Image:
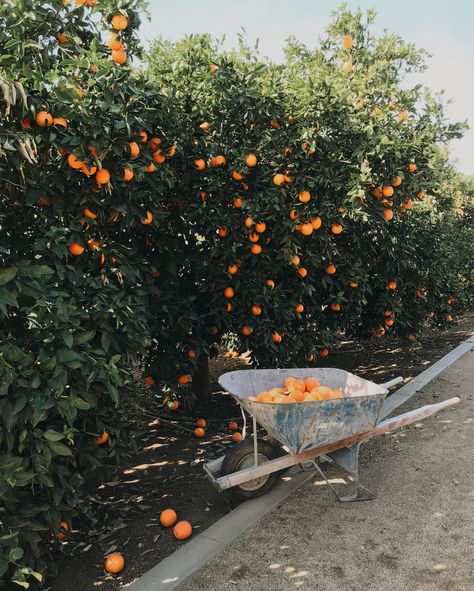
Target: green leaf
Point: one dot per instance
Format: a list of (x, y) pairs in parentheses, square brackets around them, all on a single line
[(15, 554), (79, 403), (59, 448), (52, 435), (7, 274), (84, 337), (34, 270)]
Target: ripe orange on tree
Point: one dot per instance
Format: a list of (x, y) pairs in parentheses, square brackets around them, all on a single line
[(336, 228), (102, 176), (134, 149), (102, 438), (330, 269), (246, 331), (199, 164), (183, 379), (392, 285), (324, 352), (387, 191), (199, 432), (302, 272), (201, 423), (229, 292), (232, 269), (304, 196), (279, 179), (347, 42), (119, 22), (128, 174), (316, 223), (119, 56), (387, 214), (237, 176), (75, 249), (255, 249), (44, 119), (233, 426), (149, 380), (148, 219), (251, 160), (299, 308), (256, 310)]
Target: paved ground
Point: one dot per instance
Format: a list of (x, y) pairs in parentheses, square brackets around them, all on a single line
[(418, 535)]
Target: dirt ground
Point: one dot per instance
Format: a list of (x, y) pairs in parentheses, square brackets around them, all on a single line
[(417, 535), (167, 470)]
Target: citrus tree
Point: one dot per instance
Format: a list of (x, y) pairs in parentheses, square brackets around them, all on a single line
[(84, 164), (306, 196)]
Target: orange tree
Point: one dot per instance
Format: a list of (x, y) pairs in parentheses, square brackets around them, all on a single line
[(84, 164), (306, 195)]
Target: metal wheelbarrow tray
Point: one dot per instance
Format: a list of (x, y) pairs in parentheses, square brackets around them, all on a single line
[(332, 429)]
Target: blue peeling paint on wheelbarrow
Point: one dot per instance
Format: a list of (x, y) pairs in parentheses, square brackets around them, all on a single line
[(302, 426)]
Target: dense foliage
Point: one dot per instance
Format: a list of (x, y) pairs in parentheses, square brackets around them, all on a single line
[(146, 215)]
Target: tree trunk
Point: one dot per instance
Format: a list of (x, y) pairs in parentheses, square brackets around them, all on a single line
[(200, 383)]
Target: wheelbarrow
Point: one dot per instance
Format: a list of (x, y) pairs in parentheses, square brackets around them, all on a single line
[(300, 433)]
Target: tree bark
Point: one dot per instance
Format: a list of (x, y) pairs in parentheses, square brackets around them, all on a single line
[(201, 385)]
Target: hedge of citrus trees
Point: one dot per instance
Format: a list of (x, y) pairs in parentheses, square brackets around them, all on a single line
[(313, 198), (149, 214)]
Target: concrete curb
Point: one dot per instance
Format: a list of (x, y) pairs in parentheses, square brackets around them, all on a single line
[(174, 569), (406, 392)]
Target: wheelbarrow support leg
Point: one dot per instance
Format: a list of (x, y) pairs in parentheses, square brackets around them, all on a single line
[(348, 458)]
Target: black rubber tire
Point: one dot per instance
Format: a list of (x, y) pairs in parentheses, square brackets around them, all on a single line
[(236, 455)]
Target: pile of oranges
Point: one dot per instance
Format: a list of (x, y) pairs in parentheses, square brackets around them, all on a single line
[(296, 390), (182, 530)]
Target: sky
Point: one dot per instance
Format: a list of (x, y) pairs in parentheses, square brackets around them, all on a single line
[(444, 27)]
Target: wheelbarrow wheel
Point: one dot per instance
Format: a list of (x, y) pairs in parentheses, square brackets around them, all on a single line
[(241, 456)]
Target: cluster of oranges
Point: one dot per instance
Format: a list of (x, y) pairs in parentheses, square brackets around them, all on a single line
[(201, 424), (386, 193), (118, 54), (182, 530), (295, 390)]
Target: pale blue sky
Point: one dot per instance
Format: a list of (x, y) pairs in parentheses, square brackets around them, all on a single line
[(444, 27)]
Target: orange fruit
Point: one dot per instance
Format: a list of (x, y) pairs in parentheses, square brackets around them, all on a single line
[(182, 530), (60, 121), (276, 338), (44, 201), (201, 423), (115, 44), (299, 308), (127, 174), (271, 283), (387, 191), (229, 292), (134, 149), (149, 380), (218, 161), (74, 162), (43, 118), (397, 181), (62, 38), (336, 228), (213, 68), (191, 353), (378, 192), (119, 22), (411, 167), (114, 563), (298, 395), (251, 160), (256, 249), (387, 313), (233, 426), (75, 249), (387, 214), (254, 237), (25, 123), (311, 383), (353, 284), (449, 318), (205, 127), (295, 259), (279, 179), (304, 196), (246, 331), (420, 194), (256, 310), (93, 244), (330, 269), (389, 321), (168, 518), (411, 337), (148, 219), (183, 379), (102, 176), (347, 41), (199, 164), (260, 227), (237, 203), (335, 307), (154, 144), (430, 314), (274, 123), (232, 269), (302, 272), (119, 56), (102, 439), (324, 352), (88, 171), (199, 432), (392, 285), (294, 215), (222, 232), (236, 437), (288, 179), (307, 229), (249, 222), (143, 135), (403, 116), (316, 223)]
